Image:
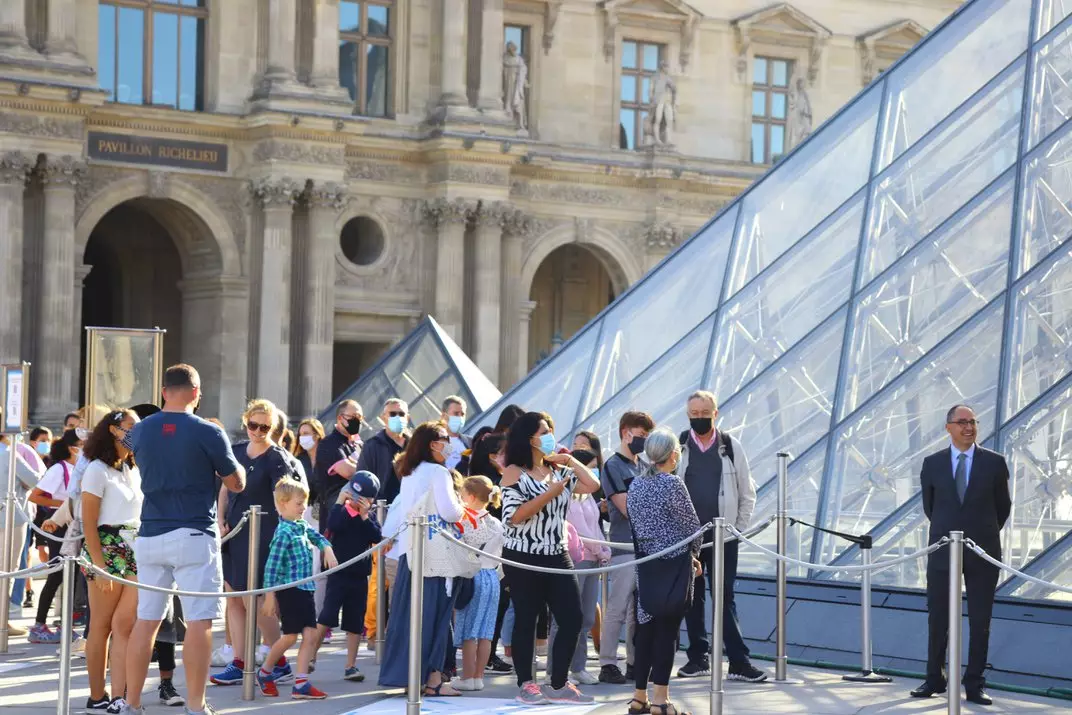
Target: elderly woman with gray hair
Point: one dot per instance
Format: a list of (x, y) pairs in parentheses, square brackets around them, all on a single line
[(661, 514)]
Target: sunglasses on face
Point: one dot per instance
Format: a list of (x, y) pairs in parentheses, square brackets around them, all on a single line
[(399, 413), (256, 427)]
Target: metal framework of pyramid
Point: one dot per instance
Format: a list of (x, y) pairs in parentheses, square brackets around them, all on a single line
[(912, 254), (423, 369)]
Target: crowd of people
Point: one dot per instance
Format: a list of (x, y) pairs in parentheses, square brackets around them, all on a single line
[(147, 494)]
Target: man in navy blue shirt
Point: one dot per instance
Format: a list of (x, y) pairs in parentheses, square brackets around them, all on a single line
[(180, 457)]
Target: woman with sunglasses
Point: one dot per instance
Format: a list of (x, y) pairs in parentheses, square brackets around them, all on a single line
[(265, 463)]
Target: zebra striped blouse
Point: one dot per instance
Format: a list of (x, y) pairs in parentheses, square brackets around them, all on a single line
[(543, 534)]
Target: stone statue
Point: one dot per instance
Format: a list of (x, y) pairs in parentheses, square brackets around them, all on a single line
[(663, 106), (799, 120), (515, 85)]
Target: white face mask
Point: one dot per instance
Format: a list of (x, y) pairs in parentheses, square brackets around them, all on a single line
[(307, 441)]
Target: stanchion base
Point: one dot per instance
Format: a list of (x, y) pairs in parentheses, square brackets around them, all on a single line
[(13, 652), (867, 678), (787, 681)]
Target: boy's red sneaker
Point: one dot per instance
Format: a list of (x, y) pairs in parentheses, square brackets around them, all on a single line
[(267, 684), (307, 692)]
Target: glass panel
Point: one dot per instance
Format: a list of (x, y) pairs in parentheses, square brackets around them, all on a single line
[(348, 67), (131, 61), (106, 50), (376, 80), (775, 311), (516, 35), (378, 23), (371, 393), (427, 407), (1039, 452), (926, 296), (1055, 567), (878, 455), (788, 407), (759, 143), (660, 391), (759, 71), (1051, 93), (629, 55), (165, 56), (651, 57), (423, 366), (674, 306), (1051, 12), (628, 128), (1046, 208), (349, 16), (629, 88), (1041, 333), (909, 533), (790, 202), (778, 106), (928, 186), (759, 103), (932, 82), (805, 476), (777, 142), (190, 64), (645, 90), (781, 73)]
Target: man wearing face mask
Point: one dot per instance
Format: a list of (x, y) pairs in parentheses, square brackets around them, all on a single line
[(336, 457), (618, 473), (453, 417), (378, 456), (715, 470)]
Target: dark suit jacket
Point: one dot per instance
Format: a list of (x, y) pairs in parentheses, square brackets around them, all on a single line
[(985, 509)]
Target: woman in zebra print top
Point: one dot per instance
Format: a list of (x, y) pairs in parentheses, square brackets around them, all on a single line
[(537, 484)]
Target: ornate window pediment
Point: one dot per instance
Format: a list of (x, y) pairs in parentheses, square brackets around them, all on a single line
[(673, 15), (548, 8), (885, 45), (780, 25)]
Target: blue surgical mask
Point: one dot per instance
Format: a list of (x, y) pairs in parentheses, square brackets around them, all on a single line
[(394, 423), (548, 443), (42, 448), (595, 472), (455, 423)]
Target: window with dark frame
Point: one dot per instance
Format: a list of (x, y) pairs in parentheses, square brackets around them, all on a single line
[(365, 62), (770, 108), (519, 35), (640, 63), (152, 52)]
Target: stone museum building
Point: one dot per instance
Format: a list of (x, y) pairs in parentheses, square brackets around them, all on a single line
[(288, 186)]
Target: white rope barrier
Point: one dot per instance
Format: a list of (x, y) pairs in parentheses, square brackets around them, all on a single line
[(981, 553), (42, 532), (237, 528), (629, 547), (43, 569)]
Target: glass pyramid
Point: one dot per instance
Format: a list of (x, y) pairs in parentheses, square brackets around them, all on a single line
[(423, 369), (913, 253)]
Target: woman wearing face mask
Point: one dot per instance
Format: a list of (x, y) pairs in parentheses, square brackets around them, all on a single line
[(426, 487), (50, 493), (588, 441), (537, 485), (310, 432)]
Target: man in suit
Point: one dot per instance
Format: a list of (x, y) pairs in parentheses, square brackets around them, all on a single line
[(965, 488)]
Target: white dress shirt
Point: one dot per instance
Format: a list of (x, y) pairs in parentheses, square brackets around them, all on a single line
[(954, 454)]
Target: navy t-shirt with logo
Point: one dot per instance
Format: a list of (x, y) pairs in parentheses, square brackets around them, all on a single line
[(179, 455)]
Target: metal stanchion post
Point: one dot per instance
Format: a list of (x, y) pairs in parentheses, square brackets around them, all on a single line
[(956, 569), (381, 585), (249, 670), (418, 532), (781, 661), (63, 692), (9, 560), (867, 674), (718, 582)]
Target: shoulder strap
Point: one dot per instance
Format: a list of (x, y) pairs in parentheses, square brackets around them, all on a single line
[(66, 475), (683, 439), (725, 439)]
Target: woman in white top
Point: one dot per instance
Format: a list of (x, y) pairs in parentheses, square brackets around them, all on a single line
[(421, 471), (111, 513)]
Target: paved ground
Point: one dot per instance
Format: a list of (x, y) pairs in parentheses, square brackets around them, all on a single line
[(28, 687)]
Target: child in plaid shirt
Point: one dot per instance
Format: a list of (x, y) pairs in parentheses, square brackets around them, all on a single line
[(290, 559)]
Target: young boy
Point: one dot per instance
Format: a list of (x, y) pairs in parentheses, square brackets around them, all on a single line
[(290, 559), (352, 531)]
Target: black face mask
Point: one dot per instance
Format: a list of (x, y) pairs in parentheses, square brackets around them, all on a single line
[(353, 426), (636, 445), (700, 425), (583, 456)]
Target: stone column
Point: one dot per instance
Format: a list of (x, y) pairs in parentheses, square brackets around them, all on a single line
[(81, 271), (282, 19), (514, 225), (14, 167), (450, 218), (62, 15), (487, 288), (452, 55), (318, 301), (524, 319), (491, 54), (13, 28), (57, 363), (325, 71), (273, 289)]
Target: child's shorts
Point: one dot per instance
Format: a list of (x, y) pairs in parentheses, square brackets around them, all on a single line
[(350, 594), (297, 610)]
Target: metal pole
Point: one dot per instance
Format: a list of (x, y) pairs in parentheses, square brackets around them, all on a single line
[(63, 692), (8, 562), (381, 585), (249, 667), (867, 674), (956, 569), (781, 660), (418, 532), (718, 582)]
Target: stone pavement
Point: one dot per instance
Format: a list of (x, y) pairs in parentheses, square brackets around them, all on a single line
[(28, 687)]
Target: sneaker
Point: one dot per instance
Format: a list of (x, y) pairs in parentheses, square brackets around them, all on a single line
[(101, 704), (27, 600), (222, 656), (531, 694), (262, 653), (694, 670), (465, 685), (583, 677), (327, 635), (746, 672), (79, 619), (41, 633), (267, 684), (116, 706), (131, 710), (209, 710), (629, 672), (168, 694), (231, 675), (307, 692), (498, 666), (612, 675), (283, 673), (567, 694), (353, 674), (479, 683)]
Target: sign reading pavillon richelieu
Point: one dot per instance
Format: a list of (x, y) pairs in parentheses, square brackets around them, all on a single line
[(157, 151)]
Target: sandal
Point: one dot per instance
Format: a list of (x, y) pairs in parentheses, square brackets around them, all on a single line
[(666, 708), (431, 692), (644, 708)]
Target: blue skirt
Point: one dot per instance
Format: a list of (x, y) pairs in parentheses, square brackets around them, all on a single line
[(477, 620), (435, 629)]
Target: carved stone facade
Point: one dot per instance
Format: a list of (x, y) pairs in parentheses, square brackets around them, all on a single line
[(321, 227)]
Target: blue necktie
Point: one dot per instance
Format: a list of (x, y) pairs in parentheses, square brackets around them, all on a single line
[(961, 476)]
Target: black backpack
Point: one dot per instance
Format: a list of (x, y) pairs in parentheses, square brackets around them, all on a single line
[(723, 438)]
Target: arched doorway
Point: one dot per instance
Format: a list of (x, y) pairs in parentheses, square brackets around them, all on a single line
[(570, 287)]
